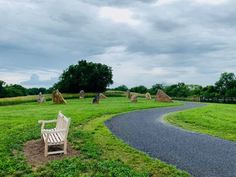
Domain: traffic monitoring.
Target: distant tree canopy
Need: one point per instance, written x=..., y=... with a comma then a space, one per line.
x=88, y=76
x=35, y=91
x=2, y=89
x=93, y=77
x=139, y=89
x=11, y=90
x=121, y=88
x=226, y=86
x=178, y=90
x=153, y=90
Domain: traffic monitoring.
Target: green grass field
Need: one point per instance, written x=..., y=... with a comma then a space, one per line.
x=32, y=98
x=215, y=119
x=101, y=154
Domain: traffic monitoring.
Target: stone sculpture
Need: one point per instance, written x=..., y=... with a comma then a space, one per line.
x=134, y=99
x=81, y=94
x=96, y=99
x=57, y=97
x=148, y=96
x=162, y=97
x=102, y=96
x=41, y=98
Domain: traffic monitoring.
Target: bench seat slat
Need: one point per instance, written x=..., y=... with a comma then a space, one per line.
x=53, y=138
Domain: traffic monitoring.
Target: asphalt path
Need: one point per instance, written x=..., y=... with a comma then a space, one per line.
x=199, y=154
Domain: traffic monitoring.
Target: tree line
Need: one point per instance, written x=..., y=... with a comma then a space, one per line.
x=13, y=90
x=224, y=87
x=97, y=77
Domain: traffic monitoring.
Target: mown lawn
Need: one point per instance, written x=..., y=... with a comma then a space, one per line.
x=101, y=154
x=215, y=119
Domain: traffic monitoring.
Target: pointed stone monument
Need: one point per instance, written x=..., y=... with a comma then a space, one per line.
x=162, y=97
x=57, y=97
x=102, y=96
x=148, y=96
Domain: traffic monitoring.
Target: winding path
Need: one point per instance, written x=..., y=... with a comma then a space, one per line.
x=199, y=154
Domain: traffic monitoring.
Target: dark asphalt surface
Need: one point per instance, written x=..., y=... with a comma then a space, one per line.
x=200, y=155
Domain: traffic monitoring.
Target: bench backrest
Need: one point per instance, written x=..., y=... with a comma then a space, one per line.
x=63, y=123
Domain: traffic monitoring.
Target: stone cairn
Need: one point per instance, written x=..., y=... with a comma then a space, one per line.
x=148, y=96
x=96, y=99
x=81, y=94
x=162, y=97
x=128, y=94
x=57, y=97
x=41, y=98
x=102, y=96
x=134, y=99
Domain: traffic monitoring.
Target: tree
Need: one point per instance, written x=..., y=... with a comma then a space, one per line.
x=226, y=82
x=88, y=76
x=2, y=89
x=121, y=88
x=139, y=89
x=155, y=88
x=210, y=91
x=15, y=90
x=36, y=91
x=178, y=90
x=196, y=90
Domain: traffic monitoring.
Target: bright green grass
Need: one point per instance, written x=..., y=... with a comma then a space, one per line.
x=33, y=98
x=101, y=154
x=215, y=119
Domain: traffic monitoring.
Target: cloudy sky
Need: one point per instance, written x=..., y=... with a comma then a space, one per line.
x=145, y=41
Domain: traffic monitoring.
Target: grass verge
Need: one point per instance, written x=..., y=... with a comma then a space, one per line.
x=215, y=119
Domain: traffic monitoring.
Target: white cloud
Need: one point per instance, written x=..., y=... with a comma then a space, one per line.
x=211, y=2
x=30, y=78
x=119, y=15
x=165, y=2
x=206, y=2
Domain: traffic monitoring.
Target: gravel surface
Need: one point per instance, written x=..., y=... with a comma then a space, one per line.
x=199, y=154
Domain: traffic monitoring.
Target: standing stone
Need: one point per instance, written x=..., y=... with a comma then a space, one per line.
x=162, y=97
x=128, y=94
x=96, y=99
x=81, y=94
x=57, y=97
x=134, y=99
x=102, y=96
x=41, y=98
x=148, y=96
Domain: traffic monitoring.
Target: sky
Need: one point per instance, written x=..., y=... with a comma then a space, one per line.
x=144, y=41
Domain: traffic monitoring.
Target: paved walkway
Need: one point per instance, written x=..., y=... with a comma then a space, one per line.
x=200, y=155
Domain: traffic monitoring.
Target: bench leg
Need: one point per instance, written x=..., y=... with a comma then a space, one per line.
x=46, y=150
x=65, y=147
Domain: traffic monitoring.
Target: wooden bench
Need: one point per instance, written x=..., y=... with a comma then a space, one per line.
x=57, y=135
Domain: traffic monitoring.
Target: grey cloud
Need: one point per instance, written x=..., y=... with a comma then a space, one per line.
x=118, y=2
x=54, y=34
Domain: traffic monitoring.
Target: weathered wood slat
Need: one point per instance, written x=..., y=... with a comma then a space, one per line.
x=55, y=152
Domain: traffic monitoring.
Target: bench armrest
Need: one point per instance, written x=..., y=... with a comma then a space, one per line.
x=43, y=122
x=46, y=121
